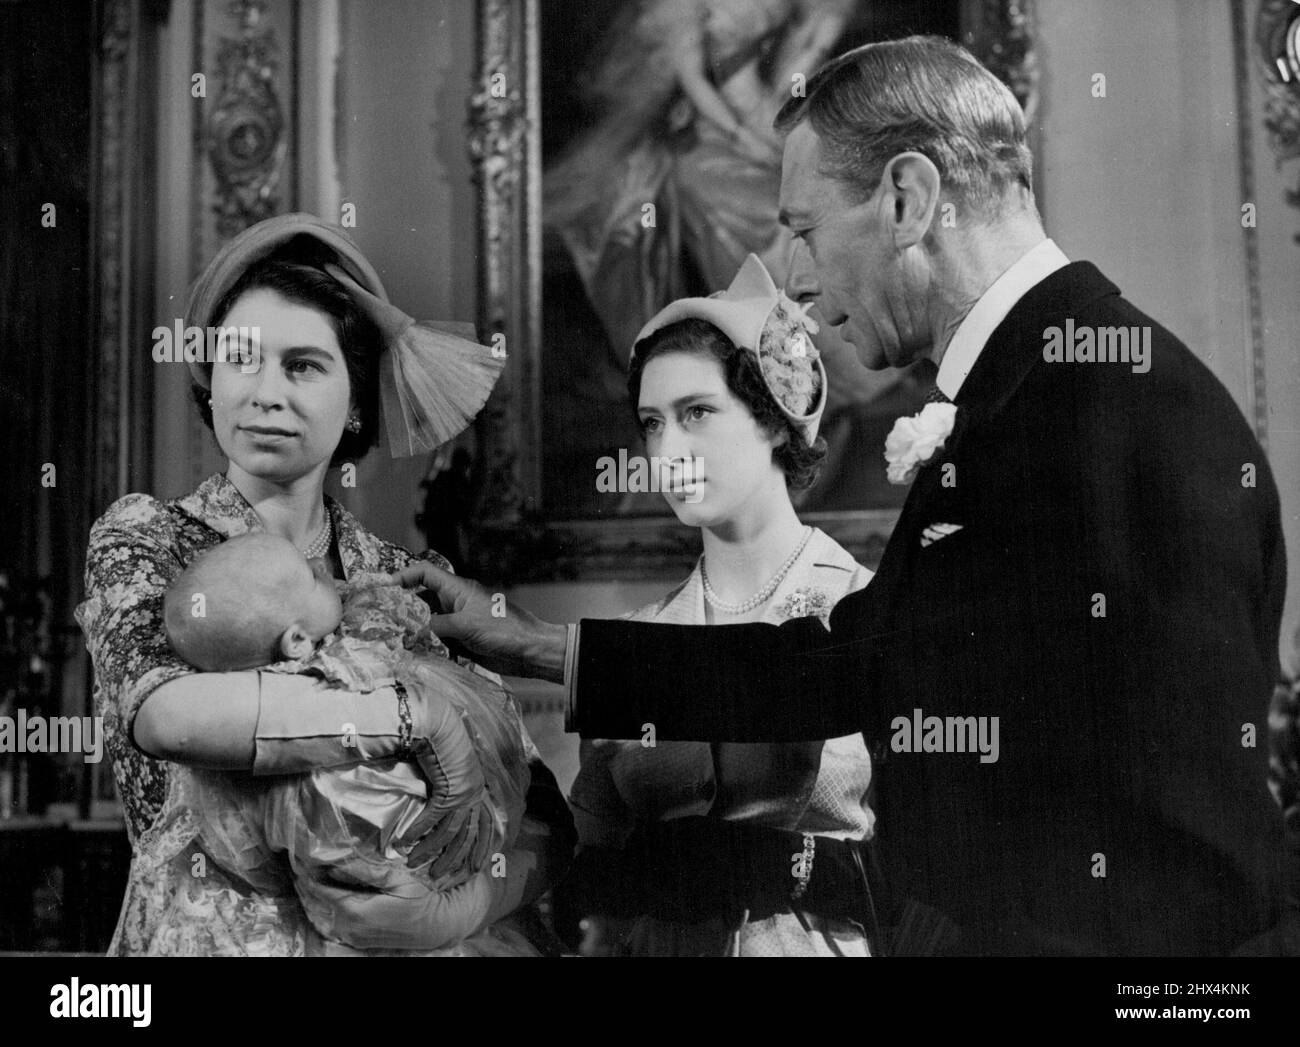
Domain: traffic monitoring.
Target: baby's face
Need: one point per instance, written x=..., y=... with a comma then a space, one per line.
x=261, y=602
x=314, y=597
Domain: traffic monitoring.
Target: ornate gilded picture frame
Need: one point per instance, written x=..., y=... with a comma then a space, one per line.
x=524, y=531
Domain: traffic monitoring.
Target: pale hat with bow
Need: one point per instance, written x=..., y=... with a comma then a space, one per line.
x=434, y=377
x=747, y=310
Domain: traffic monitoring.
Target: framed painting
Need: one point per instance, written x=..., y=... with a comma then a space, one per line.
x=605, y=191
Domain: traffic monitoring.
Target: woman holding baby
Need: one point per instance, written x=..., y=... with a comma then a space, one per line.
x=330, y=362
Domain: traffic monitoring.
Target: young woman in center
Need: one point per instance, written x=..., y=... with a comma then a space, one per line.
x=728, y=392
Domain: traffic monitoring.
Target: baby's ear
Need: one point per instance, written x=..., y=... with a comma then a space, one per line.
x=295, y=643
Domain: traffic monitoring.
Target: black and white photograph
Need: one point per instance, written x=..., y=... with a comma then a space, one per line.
x=583, y=479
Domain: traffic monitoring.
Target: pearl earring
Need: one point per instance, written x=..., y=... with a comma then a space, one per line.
x=354, y=424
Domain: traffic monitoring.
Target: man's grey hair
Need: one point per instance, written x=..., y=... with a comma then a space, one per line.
x=921, y=94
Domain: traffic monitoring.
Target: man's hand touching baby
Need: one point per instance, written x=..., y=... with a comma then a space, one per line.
x=498, y=634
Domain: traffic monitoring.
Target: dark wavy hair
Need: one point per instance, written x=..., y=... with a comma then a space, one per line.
x=801, y=463
x=296, y=275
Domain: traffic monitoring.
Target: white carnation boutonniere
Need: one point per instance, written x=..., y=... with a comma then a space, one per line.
x=914, y=441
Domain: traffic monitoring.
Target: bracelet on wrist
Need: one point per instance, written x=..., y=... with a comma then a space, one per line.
x=405, y=722
x=803, y=864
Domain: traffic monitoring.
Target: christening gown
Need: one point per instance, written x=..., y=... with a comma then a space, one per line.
x=355, y=827
x=179, y=899
x=622, y=784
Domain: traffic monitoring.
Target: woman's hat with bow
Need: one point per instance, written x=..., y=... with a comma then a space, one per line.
x=434, y=377
x=756, y=315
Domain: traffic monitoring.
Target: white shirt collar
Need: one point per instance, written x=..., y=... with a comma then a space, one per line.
x=1034, y=266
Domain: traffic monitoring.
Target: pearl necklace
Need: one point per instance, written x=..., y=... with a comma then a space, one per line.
x=321, y=543
x=763, y=594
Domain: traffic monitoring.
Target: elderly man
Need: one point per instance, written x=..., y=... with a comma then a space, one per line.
x=1088, y=572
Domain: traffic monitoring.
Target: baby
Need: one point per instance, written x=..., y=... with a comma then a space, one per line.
x=255, y=602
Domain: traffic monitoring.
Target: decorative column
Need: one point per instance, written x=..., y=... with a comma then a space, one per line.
x=245, y=131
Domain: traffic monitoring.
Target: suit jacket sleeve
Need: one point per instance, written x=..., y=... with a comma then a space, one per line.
x=732, y=683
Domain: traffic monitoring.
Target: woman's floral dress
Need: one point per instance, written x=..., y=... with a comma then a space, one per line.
x=176, y=902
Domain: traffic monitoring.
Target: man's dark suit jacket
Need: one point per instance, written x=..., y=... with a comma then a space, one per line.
x=1114, y=597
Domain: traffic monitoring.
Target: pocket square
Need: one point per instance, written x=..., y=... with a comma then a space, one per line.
x=935, y=532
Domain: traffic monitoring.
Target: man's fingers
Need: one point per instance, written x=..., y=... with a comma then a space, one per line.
x=411, y=576
x=449, y=626
x=435, y=578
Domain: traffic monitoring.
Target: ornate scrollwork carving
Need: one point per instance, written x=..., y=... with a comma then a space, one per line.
x=245, y=129
x=501, y=136
x=1277, y=38
x=113, y=96
x=497, y=143
x=1001, y=34
x=497, y=115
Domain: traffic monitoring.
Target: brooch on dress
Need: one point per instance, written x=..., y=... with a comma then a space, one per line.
x=807, y=602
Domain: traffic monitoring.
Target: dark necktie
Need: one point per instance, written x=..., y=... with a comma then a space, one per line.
x=936, y=396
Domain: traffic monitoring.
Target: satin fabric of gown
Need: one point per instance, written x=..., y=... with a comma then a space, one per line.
x=355, y=827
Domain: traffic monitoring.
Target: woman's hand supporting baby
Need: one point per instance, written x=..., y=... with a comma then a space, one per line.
x=331, y=727
x=402, y=911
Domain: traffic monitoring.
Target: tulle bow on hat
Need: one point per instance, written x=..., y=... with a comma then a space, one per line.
x=756, y=315
x=434, y=377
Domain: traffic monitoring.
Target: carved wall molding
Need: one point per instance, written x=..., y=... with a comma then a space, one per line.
x=505, y=153
x=515, y=540
x=1257, y=390
x=245, y=129
x=1277, y=50
x=123, y=219
x=121, y=243
x=111, y=261
x=1003, y=35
